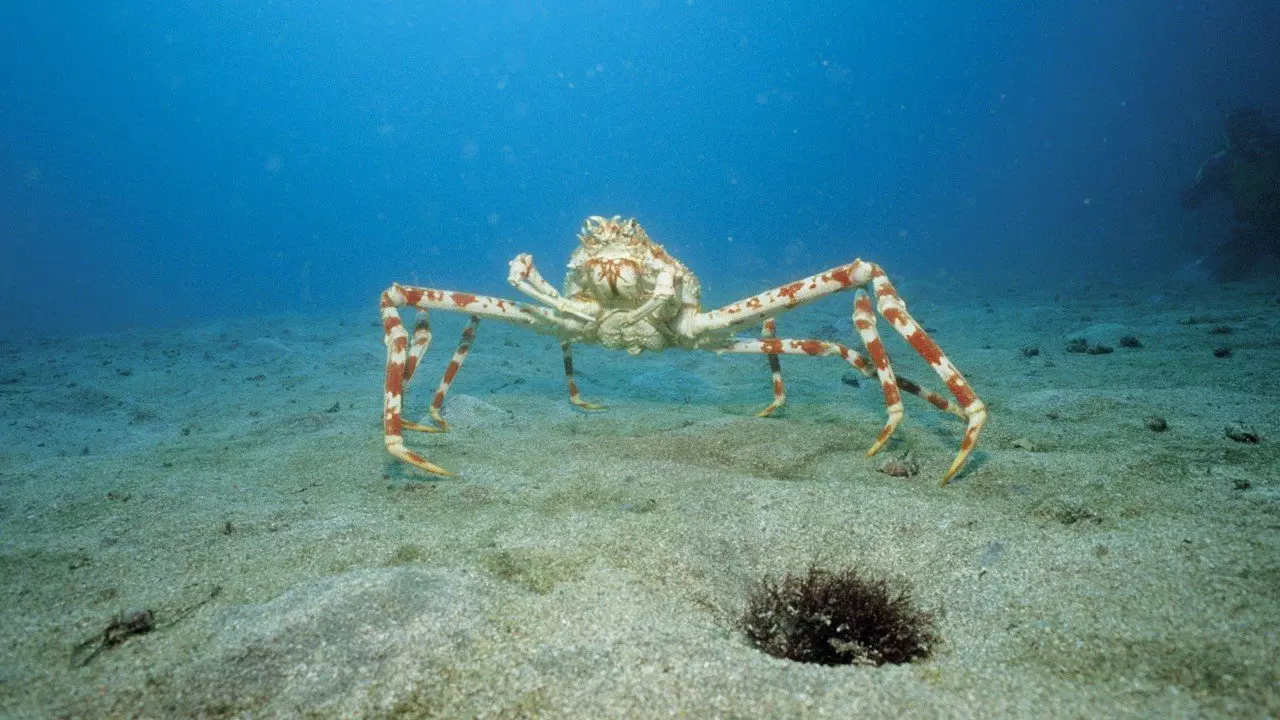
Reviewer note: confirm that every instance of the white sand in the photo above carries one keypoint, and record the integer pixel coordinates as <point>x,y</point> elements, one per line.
<point>592,565</point>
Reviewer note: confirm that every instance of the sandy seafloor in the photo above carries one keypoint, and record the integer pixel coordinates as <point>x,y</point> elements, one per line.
<point>593,564</point>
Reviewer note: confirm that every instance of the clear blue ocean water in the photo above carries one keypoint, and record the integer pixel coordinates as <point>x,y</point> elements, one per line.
<point>168,162</point>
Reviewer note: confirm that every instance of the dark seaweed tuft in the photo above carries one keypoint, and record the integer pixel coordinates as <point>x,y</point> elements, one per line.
<point>837,618</point>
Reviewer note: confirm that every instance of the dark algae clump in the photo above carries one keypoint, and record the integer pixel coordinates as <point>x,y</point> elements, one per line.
<point>837,617</point>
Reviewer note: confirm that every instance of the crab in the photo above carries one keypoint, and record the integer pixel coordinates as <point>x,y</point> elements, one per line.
<point>624,291</point>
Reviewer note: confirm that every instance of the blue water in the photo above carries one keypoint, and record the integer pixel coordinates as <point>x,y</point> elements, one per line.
<point>168,162</point>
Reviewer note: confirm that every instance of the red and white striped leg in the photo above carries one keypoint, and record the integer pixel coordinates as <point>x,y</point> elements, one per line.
<point>400,368</point>
<point>421,341</point>
<point>402,362</point>
<point>892,307</point>
<point>770,330</point>
<point>858,274</point>
<point>573,386</point>
<point>822,348</point>
<point>864,319</point>
<point>450,372</point>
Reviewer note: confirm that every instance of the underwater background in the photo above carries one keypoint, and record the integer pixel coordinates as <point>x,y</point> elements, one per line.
<point>201,202</point>
<point>173,161</point>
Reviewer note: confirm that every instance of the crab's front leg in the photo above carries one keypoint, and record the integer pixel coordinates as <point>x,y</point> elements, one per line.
<point>770,331</point>
<point>524,277</point>
<point>403,359</point>
<point>574,397</point>
<point>401,363</point>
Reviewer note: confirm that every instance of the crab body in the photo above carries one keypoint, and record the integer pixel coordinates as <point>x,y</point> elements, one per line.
<point>638,289</point>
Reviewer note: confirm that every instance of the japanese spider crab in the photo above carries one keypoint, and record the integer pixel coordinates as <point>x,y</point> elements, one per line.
<point>623,291</point>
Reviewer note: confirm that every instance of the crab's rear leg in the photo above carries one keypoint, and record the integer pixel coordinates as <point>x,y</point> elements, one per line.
<point>574,398</point>
<point>891,306</point>
<point>450,372</point>
<point>418,348</point>
<point>770,330</point>
<point>822,348</point>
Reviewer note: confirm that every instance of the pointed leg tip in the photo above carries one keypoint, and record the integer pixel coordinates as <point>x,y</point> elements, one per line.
<point>976,419</point>
<point>946,479</point>
<point>956,466</point>
<point>433,469</point>
<point>421,463</point>
<point>768,411</point>
<point>895,418</point>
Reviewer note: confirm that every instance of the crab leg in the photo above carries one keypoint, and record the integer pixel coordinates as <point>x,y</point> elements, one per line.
<point>421,341</point>
<point>891,306</point>
<point>573,386</point>
<point>859,274</point>
<point>402,362</point>
<point>772,303</point>
<point>770,330</point>
<point>822,348</point>
<point>450,372</point>
<point>864,319</point>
